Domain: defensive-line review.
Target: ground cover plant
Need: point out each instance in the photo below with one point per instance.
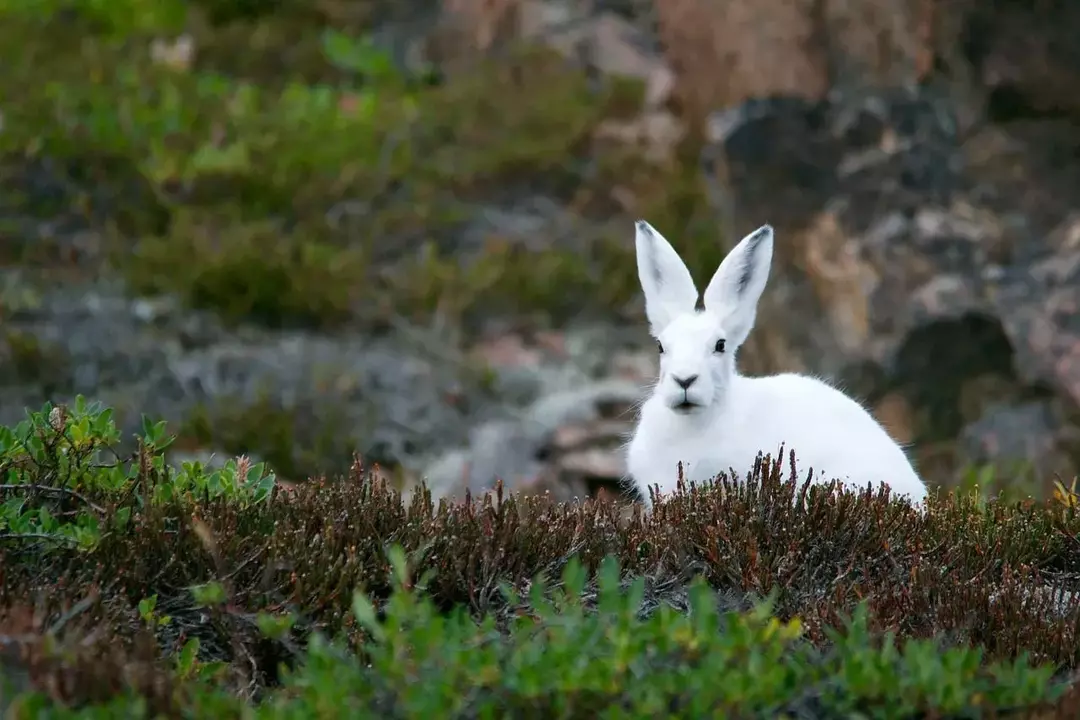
(229, 178)
(131, 587)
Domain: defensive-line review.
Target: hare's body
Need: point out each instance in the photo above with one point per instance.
(761, 415)
(705, 415)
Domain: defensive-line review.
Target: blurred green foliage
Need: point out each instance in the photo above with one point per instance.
(110, 19)
(254, 133)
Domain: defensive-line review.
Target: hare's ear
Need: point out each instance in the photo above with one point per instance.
(669, 288)
(734, 290)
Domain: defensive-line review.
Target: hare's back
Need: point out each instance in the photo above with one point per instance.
(827, 429)
(798, 397)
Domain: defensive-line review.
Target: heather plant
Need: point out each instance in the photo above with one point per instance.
(567, 657)
(226, 595)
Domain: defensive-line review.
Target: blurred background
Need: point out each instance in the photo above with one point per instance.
(300, 229)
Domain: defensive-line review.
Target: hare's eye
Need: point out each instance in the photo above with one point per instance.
(719, 346)
(660, 347)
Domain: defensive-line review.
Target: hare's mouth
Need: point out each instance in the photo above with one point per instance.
(685, 407)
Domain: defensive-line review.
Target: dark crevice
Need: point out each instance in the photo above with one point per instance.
(1008, 104)
(934, 362)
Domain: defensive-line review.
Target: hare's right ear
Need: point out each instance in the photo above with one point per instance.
(735, 289)
(669, 288)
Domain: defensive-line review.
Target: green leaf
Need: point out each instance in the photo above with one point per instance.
(274, 626)
(399, 565)
(185, 662)
(48, 522)
(208, 594)
(364, 612)
(146, 607)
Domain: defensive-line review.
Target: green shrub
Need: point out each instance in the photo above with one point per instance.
(60, 478)
(117, 19)
(248, 165)
(260, 273)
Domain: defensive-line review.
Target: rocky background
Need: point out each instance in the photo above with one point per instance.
(302, 230)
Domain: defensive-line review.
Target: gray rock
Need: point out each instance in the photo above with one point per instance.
(1020, 435)
(381, 396)
(906, 263)
(520, 451)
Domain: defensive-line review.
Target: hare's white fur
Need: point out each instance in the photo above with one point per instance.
(721, 420)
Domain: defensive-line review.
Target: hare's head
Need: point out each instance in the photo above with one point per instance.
(697, 346)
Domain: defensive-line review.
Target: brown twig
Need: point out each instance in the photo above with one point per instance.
(37, 536)
(54, 490)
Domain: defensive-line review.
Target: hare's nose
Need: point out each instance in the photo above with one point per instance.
(685, 382)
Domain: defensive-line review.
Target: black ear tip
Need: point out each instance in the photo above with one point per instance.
(756, 238)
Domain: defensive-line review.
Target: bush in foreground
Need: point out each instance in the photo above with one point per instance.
(560, 659)
(129, 585)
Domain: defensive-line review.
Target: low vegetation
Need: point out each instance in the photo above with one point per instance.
(330, 188)
(130, 586)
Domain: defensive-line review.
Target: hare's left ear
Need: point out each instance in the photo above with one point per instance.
(735, 289)
(669, 288)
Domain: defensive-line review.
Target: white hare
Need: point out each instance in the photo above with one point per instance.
(704, 414)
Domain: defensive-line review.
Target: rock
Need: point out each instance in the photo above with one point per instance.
(641, 367)
(657, 132)
(931, 271)
(906, 262)
(447, 473)
(724, 53)
(895, 414)
(534, 222)
(564, 444)
(1023, 437)
(593, 464)
(1025, 57)
(386, 397)
(576, 436)
(606, 41)
(878, 42)
(1038, 299)
(601, 399)
(483, 24)
(613, 46)
(547, 363)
